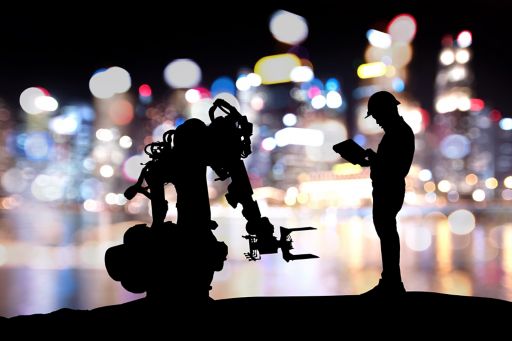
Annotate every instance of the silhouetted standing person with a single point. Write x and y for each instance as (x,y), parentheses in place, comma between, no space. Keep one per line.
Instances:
(389,167)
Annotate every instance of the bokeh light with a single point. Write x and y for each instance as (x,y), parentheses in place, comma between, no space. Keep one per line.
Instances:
(222,84)
(105,83)
(145,90)
(332,84)
(478,195)
(257,103)
(290,119)
(462,56)
(230,99)
(192,95)
(402,28)
(418,238)
(13,181)
(37,145)
(182,73)
(425,175)
(301,74)
(48,187)
(106,171)
(371,70)
(276,69)
(288,28)
(506,123)
(455,146)
(507,182)
(333,100)
(506,194)
(66,124)
(200,110)
(243,84)
(46,103)
(464,39)
(471,179)
(121,111)
(332,131)
(461,222)
(444,186)
(318,102)
(299,136)
(133,166)
(491,183)
(254,79)
(447,57)
(28,100)
(378,39)
(269,144)
(125,142)
(104,134)
(161,129)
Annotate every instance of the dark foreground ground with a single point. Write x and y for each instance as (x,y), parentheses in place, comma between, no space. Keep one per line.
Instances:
(414,315)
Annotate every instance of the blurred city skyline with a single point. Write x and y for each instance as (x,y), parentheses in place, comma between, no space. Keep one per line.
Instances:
(84,89)
(60,50)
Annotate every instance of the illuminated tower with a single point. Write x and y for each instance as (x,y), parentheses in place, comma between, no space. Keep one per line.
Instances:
(463,146)
(37,150)
(73,134)
(386,68)
(8,175)
(114,110)
(503,156)
(299,115)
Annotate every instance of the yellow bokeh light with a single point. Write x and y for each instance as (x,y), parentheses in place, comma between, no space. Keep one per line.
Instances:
(277,68)
(508,181)
(371,70)
(346,169)
(491,183)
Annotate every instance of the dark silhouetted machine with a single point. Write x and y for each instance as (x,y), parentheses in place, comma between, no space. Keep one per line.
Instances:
(168,257)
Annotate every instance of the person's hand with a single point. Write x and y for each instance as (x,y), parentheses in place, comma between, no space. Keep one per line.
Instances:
(364,163)
(370,154)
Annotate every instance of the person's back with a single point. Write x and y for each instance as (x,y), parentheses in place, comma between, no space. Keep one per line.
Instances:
(394,154)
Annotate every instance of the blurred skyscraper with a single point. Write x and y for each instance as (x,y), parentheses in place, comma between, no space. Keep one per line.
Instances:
(463,147)
(6,150)
(298,116)
(387,57)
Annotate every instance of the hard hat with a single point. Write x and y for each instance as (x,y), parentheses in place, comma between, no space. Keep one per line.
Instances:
(380,99)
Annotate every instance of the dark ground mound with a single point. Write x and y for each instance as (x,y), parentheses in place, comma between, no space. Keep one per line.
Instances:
(420,313)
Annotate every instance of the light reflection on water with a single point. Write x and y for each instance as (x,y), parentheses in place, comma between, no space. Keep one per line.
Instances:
(57,262)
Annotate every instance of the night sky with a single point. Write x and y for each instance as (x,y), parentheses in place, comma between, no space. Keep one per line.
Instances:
(59,48)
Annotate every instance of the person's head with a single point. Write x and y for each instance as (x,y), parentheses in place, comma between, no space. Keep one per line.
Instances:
(382,106)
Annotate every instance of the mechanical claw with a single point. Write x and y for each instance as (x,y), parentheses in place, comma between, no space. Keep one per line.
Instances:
(286,244)
(271,245)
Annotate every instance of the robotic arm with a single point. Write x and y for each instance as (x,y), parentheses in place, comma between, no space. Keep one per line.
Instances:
(260,231)
(233,133)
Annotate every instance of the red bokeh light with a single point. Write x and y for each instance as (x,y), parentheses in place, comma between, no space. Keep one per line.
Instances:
(145,90)
(495,115)
(477,104)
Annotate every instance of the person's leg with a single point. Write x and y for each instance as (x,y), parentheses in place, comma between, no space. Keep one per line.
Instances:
(386,205)
(385,225)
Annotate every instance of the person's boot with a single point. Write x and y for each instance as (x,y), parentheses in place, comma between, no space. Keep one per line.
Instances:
(386,289)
